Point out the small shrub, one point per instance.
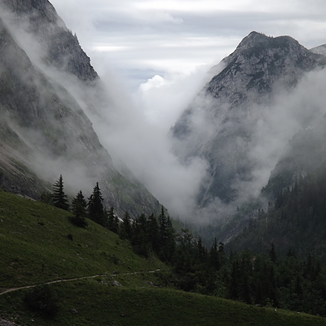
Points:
(114, 259)
(78, 221)
(42, 299)
(46, 197)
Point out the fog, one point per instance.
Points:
(135, 129)
(134, 134)
(272, 123)
(139, 135)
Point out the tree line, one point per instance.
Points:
(264, 279)
(296, 218)
(146, 234)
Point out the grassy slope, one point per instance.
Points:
(34, 248)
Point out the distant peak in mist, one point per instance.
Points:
(242, 120)
(260, 41)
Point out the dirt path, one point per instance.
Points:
(71, 280)
(4, 322)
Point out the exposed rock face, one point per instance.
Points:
(319, 49)
(257, 63)
(61, 47)
(219, 124)
(44, 131)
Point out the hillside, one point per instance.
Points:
(98, 279)
(295, 220)
(41, 238)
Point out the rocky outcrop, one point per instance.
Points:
(4, 322)
(61, 47)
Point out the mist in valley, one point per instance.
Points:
(135, 128)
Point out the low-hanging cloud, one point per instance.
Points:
(135, 137)
(138, 134)
(272, 124)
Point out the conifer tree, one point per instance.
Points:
(60, 199)
(272, 253)
(113, 221)
(140, 239)
(153, 233)
(96, 210)
(214, 258)
(125, 227)
(166, 236)
(79, 210)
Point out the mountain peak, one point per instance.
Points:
(252, 75)
(259, 61)
(256, 42)
(252, 38)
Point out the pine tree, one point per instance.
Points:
(153, 233)
(79, 210)
(60, 199)
(96, 210)
(113, 221)
(140, 239)
(125, 227)
(214, 256)
(272, 253)
(166, 237)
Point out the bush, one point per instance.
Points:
(42, 299)
(78, 221)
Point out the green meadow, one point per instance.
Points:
(91, 277)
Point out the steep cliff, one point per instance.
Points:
(61, 47)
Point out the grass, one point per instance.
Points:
(94, 302)
(38, 244)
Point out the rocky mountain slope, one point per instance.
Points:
(238, 123)
(44, 130)
(61, 48)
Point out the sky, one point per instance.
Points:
(142, 39)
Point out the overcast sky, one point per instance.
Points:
(144, 38)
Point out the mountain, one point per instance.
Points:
(294, 222)
(321, 49)
(45, 125)
(305, 153)
(295, 218)
(238, 122)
